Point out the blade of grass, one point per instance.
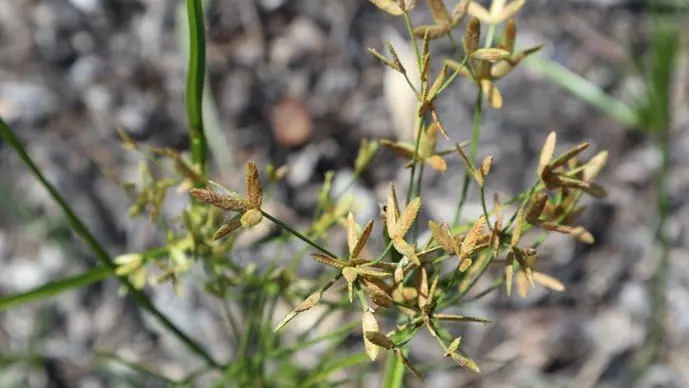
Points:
(475, 135)
(217, 138)
(585, 90)
(394, 372)
(82, 231)
(53, 288)
(340, 363)
(196, 74)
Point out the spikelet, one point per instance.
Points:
(307, 304)
(369, 324)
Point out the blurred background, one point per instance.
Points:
(292, 83)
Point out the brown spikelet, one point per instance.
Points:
(228, 228)
(254, 192)
(490, 54)
(510, 10)
(434, 31)
(352, 233)
(518, 225)
(385, 61)
(492, 93)
(369, 323)
(548, 282)
(365, 271)
(405, 249)
(392, 211)
(459, 12)
(436, 120)
(401, 149)
(433, 92)
(547, 153)
(390, 6)
(465, 362)
(406, 219)
(350, 274)
(500, 69)
(361, 240)
(441, 236)
(582, 235)
(485, 166)
(423, 287)
(464, 265)
(395, 59)
(567, 156)
(595, 165)
(378, 295)
(224, 202)
(509, 272)
(478, 11)
(522, 285)
(510, 35)
(440, 14)
(536, 207)
(330, 261)
(473, 34)
(437, 163)
(474, 235)
(380, 339)
(307, 304)
(524, 264)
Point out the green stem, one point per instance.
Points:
(475, 134)
(196, 74)
(82, 231)
(297, 234)
(410, 30)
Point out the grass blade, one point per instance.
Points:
(394, 372)
(196, 74)
(338, 364)
(53, 288)
(585, 90)
(82, 231)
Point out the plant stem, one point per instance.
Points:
(410, 30)
(82, 231)
(297, 234)
(196, 74)
(475, 134)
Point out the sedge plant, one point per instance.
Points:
(390, 296)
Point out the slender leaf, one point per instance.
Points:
(394, 372)
(80, 229)
(196, 74)
(585, 90)
(337, 364)
(53, 288)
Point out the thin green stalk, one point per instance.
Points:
(657, 331)
(487, 291)
(82, 231)
(485, 208)
(196, 75)
(54, 288)
(415, 158)
(475, 134)
(415, 226)
(297, 234)
(410, 30)
(342, 330)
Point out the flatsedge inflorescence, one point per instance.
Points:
(407, 277)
